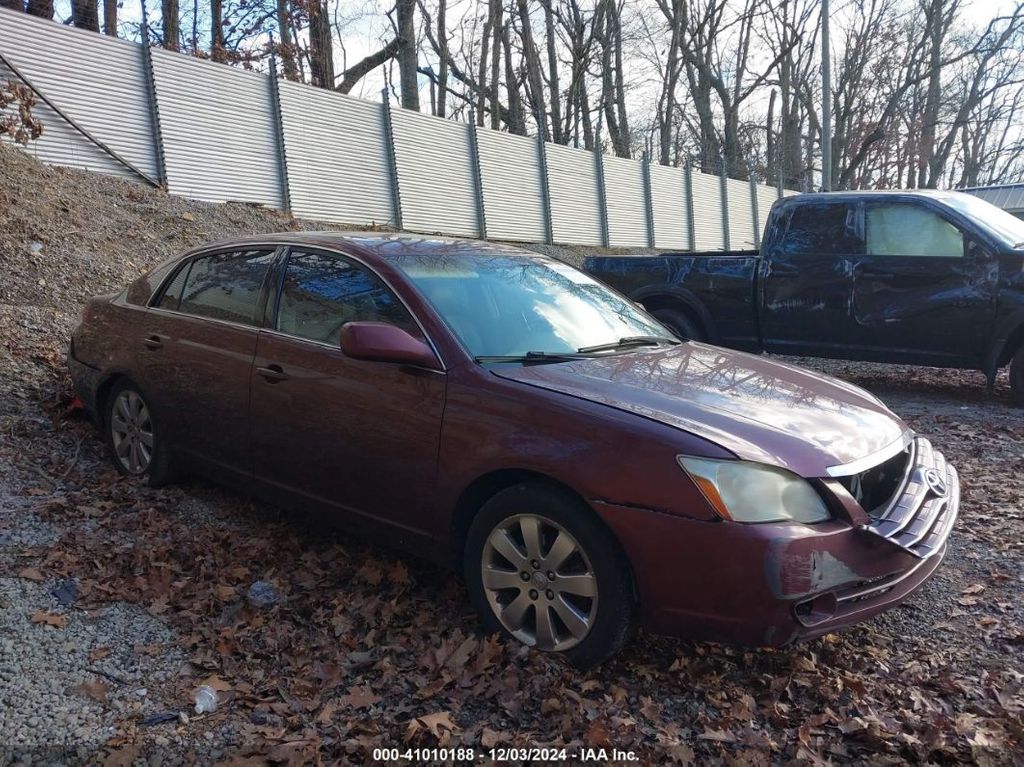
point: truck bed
(719, 285)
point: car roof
(372, 244)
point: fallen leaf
(96, 689)
(98, 653)
(31, 573)
(437, 722)
(50, 619)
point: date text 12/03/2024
(510, 754)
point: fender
(683, 297)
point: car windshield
(997, 221)
(509, 305)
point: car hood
(757, 409)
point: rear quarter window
(222, 286)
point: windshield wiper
(531, 357)
(628, 343)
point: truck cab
(920, 277)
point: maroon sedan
(504, 413)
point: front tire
(1017, 377)
(133, 436)
(540, 568)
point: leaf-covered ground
(364, 648)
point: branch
(360, 69)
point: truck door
(922, 291)
(804, 280)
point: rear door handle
(273, 373)
(153, 342)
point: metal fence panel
(627, 202)
(668, 199)
(511, 172)
(766, 197)
(337, 156)
(97, 81)
(220, 140)
(575, 199)
(707, 212)
(435, 174)
(741, 215)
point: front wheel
(133, 436)
(541, 568)
(1017, 377)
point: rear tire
(556, 578)
(133, 436)
(1017, 377)
(684, 328)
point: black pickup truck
(929, 278)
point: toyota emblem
(936, 482)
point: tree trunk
(85, 15)
(496, 9)
(41, 8)
(553, 86)
(171, 22)
(481, 76)
(217, 52)
(14, 5)
(516, 120)
(321, 46)
(443, 57)
(533, 71)
(407, 58)
(110, 18)
(286, 48)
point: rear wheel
(133, 436)
(1017, 377)
(684, 328)
(541, 569)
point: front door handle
(273, 373)
(153, 342)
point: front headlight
(753, 492)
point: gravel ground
(109, 589)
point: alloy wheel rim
(539, 582)
(132, 431)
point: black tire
(158, 470)
(684, 328)
(1017, 377)
(613, 611)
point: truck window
(822, 229)
(902, 229)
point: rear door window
(225, 286)
(823, 229)
(904, 229)
(323, 291)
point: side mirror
(384, 342)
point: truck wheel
(1017, 377)
(681, 325)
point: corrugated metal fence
(217, 133)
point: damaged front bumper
(774, 584)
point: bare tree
(84, 15)
(171, 19)
(407, 54)
(110, 18)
